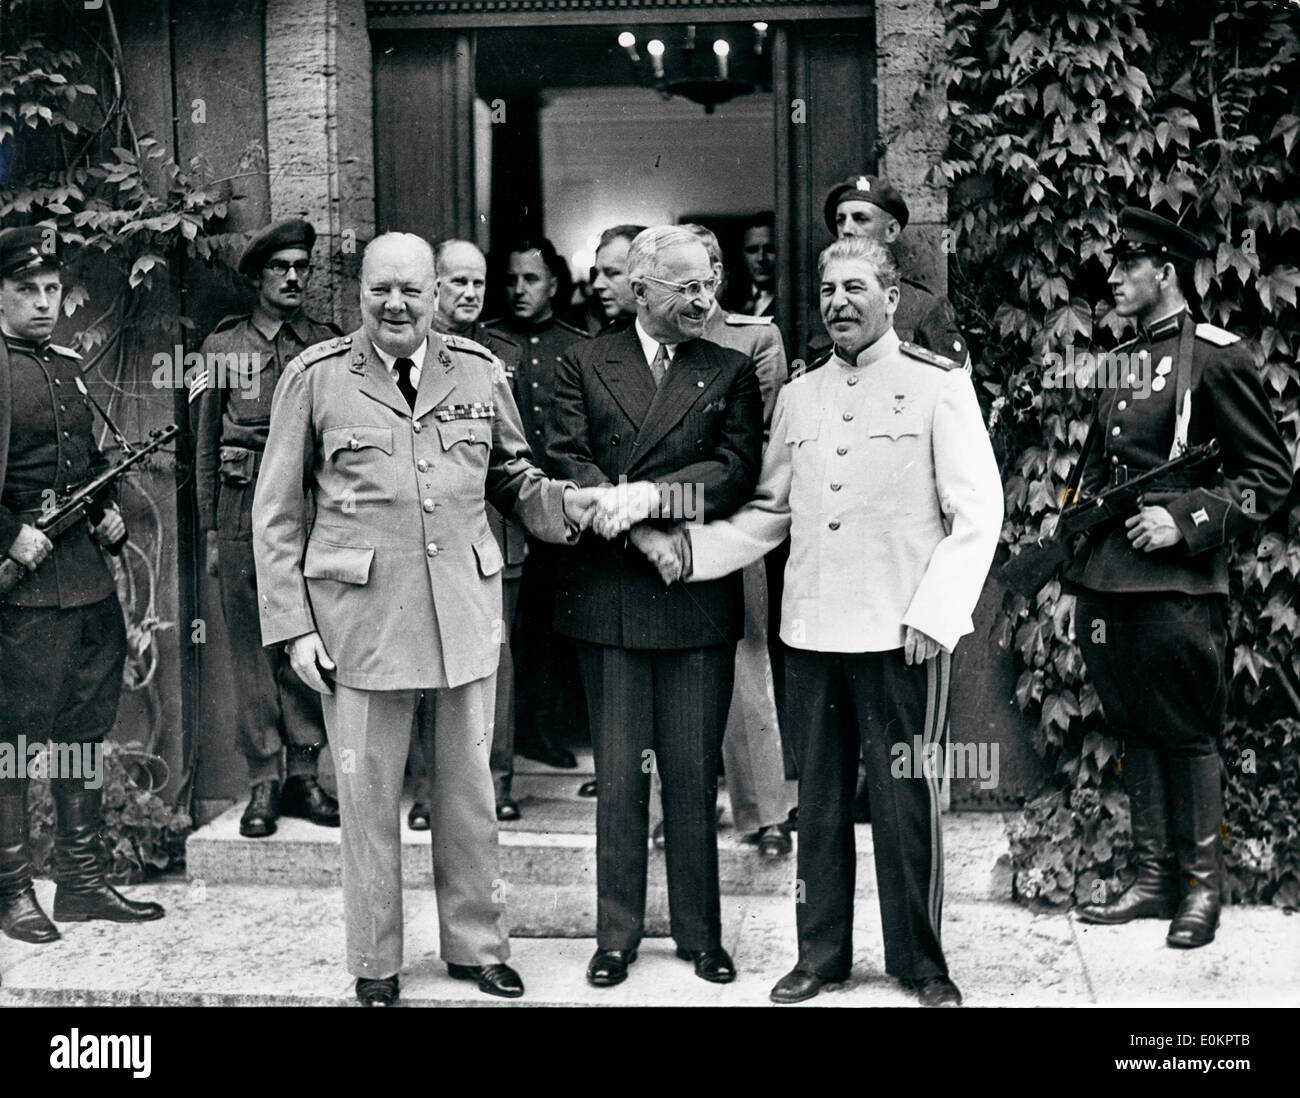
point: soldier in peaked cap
(276, 713)
(62, 637)
(1151, 593)
(871, 207)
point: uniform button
(536, 362)
(429, 505)
(853, 380)
(65, 434)
(422, 465)
(415, 426)
(536, 384)
(834, 524)
(534, 339)
(835, 487)
(1114, 431)
(57, 382)
(431, 550)
(64, 407)
(841, 450)
(1122, 405)
(848, 417)
(537, 408)
(1114, 459)
(68, 464)
(353, 443)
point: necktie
(659, 366)
(404, 366)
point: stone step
(548, 860)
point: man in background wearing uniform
(1152, 593)
(609, 277)
(881, 472)
(548, 694)
(758, 249)
(462, 280)
(276, 713)
(62, 636)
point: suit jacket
(883, 475)
(758, 339)
(399, 574)
(699, 436)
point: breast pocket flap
(470, 431)
(894, 426)
(358, 437)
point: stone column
(320, 142)
(913, 129)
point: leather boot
(21, 916)
(1198, 816)
(1154, 895)
(80, 861)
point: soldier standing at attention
(1152, 593)
(275, 711)
(62, 637)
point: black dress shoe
(609, 967)
(587, 789)
(507, 809)
(797, 985)
(418, 818)
(714, 965)
(774, 841)
(552, 754)
(377, 993)
(23, 920)
(304, 798)
(935, 991)
(493, 979)
(258, 820)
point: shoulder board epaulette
(500, 337)
(230, 321)
(328, 325)
(741, 319)
(924, 354)
(570, 328)
(816, 364)
(67, 352)
(463, 343)
(1126, 343)
(1220, 337)
(318, 351)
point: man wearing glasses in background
(677, 423)
(275, 710)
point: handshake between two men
(616, 509)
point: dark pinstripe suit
(657, 664)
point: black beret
(1143, 233)
(293, 232)
(866, 188)
(28, 248)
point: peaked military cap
(866, 188)
(28, 248)
(1143, 233)
(293, 232)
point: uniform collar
(31, 346)
(268, 327)
(885, 346)
(416, 356)
(1162, 328)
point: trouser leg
(502, 759)
(751, 748)
(692, 689)
(420, 754)
(620, 702)
(463, 823)
(826, 752)
(369, 732)
(898, 704)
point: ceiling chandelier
(707, 74)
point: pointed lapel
(376, 382)
(627, 376)
(437, 377)
(689, 376)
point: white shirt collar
(416, 356)
(650, 345)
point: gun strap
(1183, 386)
(1071, 495)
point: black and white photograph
(674, 504)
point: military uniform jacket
(758, 339)
(1136, 433)
(543, 346)
(700, 431)
(234, 408)
(47, 445)
(399, 574)
(882, 473)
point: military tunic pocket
(361, 461)
(890, 425)
(467, 447)
(344, 563)
(488, 553)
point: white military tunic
(883, 475)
